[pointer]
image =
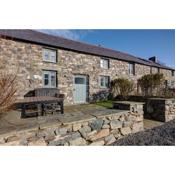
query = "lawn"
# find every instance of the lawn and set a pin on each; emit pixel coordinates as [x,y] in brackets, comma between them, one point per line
[107,104]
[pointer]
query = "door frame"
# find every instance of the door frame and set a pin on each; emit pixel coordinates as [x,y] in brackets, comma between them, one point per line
[86,77]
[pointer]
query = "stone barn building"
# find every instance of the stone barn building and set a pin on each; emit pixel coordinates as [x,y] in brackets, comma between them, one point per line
[80,71]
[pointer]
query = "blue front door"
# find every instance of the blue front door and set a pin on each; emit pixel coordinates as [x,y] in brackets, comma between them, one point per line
[80,89]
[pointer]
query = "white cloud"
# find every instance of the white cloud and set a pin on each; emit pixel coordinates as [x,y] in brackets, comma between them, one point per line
[70,34]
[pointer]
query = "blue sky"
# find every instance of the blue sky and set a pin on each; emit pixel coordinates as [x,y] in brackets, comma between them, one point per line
[141,43]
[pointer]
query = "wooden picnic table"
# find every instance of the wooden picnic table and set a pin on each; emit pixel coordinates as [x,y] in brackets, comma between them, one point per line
[39,100]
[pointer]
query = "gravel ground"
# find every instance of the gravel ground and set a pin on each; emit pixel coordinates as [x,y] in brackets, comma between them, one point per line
[161,135]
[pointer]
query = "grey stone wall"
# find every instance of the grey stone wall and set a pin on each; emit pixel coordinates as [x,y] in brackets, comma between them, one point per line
[25,59]
[99,130]
[160,109]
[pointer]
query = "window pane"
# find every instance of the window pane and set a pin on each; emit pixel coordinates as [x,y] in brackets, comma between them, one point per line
[46,76]
[53,79]
[46,82]
[46,79]
[49,78]
[101,81]
[46,55]
[49,55]
[79,80]
[53,56]
[131,69]
[101,63]
[104,63]
[106,81]
[156,70]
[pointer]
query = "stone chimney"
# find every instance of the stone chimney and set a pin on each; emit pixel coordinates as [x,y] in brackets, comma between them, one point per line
[153,59]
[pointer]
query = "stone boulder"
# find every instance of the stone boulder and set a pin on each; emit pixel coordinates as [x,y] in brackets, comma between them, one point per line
[96,124]
[116,124]
[102,133]
[78,142]
[76,127]
[137,127]
[84,131]
[97,143]
[39,142]
[125,130]
[109,139]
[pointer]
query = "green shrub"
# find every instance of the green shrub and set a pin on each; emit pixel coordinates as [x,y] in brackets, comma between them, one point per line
[150,84]
[122,87]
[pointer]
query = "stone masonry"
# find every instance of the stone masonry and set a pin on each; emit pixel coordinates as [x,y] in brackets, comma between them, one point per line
[25,59]
[97,130]
[160,109]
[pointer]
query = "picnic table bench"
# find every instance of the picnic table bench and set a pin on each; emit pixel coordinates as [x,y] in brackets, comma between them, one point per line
[41,101]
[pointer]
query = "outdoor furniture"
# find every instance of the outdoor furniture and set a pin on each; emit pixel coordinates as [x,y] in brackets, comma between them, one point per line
[49,92]
[41,101]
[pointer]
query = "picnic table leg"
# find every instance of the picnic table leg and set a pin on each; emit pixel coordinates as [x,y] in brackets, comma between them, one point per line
[62,107]
[42,109]
[39,108]
[23,111]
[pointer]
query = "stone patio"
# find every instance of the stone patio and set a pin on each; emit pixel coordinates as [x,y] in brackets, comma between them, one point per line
[12,122]
[73,114]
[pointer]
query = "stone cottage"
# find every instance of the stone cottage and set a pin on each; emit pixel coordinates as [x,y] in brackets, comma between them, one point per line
[80,71]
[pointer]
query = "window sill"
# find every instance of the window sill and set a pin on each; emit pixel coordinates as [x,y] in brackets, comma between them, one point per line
[104,68]
[49,62]
[104,88]
[49,87]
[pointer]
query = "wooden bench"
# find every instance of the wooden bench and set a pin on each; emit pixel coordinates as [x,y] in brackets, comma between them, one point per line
[46,100]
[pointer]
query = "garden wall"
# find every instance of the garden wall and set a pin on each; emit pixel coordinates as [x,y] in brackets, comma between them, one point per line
[98,130]
[160,109]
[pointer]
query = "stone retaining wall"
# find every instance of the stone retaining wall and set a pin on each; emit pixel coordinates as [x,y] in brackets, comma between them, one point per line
[98,130]
[160,109]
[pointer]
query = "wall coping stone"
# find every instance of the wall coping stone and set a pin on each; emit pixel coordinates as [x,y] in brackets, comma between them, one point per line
[75,119]
[161,99]
[128,102]
[118,112]
[66,120]
[47,125]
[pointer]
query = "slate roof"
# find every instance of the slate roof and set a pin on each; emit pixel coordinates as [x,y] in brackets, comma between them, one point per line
[37,37]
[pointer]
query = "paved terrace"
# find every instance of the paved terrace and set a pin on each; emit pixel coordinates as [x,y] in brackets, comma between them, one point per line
[73,114]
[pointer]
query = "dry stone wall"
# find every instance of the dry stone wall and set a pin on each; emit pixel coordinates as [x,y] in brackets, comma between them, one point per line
[98,130]
[160,109]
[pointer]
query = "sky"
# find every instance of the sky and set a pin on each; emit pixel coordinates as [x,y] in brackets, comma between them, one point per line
[140,43]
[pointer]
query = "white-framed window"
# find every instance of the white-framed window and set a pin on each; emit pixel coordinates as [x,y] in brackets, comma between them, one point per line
[104,63]
[157,70]
[104,81]
[49,79]
[170,83]
[131,69]
[49,55]
[172,73]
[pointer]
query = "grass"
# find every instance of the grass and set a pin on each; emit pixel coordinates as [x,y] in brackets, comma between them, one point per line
[106,104]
